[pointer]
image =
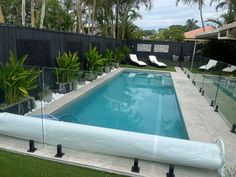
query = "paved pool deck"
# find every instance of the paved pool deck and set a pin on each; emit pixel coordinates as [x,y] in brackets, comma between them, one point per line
[203,124]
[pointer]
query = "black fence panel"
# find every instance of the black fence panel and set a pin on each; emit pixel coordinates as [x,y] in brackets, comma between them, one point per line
[43,46]
[163,50]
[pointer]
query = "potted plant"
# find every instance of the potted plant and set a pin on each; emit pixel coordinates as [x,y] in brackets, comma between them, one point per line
[175,57]
[16,83]
[68,65]
[126,51]
[118,56]
[94,60]
[107,60]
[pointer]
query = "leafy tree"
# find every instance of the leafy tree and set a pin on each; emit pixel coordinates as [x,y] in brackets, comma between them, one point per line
[173,33]
[199,3]
[230,5]
[59,16]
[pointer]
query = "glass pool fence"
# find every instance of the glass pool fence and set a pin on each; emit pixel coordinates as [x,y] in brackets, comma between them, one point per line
[216,81]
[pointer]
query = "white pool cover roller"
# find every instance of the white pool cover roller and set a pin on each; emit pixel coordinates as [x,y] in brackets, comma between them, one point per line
[115,142]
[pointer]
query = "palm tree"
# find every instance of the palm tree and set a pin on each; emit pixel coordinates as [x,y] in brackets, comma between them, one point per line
[191,24]
[2,20]
[127,15]
[23,13]
[226,4]
[32,13]
[200,4]
[134,3]
[42,16]
[79,16]
[93,14]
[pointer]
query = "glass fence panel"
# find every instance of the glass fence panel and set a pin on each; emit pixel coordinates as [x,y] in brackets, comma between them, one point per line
[211,79]
[67,96]
[226,94]
[19,99]
[198,71]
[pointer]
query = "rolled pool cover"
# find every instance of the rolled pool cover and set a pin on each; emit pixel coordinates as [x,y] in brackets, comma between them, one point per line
[115,142]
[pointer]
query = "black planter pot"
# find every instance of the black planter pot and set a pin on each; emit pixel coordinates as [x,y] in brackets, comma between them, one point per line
[64,88]
[112,66]
[90,76]
[100,71]
[74,85]
[117,65]
[45,96]
[21,107]
[107,69]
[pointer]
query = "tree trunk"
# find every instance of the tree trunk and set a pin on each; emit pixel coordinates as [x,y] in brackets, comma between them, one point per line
[113,29]
[23,12]
[88,20]
[93,15]
[82,25]
[200,9]
[124,21]
[42,13]
[32,13]
[2,20]
[117,18]
[78,11]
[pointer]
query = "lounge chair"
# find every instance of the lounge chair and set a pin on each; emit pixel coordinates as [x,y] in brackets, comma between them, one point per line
[154,61]
[135,60]
[229,69]
[211,64]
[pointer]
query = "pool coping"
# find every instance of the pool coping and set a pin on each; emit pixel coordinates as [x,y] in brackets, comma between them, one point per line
[202,122]
[70,97]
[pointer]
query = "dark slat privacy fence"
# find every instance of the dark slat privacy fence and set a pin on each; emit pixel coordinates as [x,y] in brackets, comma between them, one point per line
[43,46]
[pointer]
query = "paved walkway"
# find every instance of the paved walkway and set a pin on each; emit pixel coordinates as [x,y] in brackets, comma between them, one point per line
[202,123]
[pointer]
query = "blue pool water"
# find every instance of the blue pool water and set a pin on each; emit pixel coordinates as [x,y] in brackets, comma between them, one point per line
[140,102]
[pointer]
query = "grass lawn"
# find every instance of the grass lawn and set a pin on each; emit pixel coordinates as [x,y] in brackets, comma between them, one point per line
[168,68]
[197,71]
[15,165]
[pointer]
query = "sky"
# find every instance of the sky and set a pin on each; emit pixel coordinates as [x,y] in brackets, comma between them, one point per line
[165,13]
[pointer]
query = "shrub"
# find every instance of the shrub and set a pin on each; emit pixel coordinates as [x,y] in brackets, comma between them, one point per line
[94,59]
[118,55]
[107,57]
[67,66]
[16,81]
[126,51]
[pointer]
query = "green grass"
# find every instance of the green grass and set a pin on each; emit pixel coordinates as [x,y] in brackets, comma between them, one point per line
[168,68]
[15,165]
[210,72]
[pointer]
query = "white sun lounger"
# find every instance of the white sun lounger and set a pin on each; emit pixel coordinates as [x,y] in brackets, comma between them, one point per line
[154,60]
[229,69]
[134,59]
[209,65]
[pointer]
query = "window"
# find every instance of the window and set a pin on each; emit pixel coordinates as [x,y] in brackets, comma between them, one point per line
[144,47]
[161,48]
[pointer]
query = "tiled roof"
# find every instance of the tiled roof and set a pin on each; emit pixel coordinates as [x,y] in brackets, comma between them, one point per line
[192,34]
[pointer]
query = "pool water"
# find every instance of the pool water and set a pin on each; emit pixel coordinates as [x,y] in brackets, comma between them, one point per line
[142,102]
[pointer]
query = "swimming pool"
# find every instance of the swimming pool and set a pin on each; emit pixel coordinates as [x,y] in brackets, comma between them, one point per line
[143,102]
